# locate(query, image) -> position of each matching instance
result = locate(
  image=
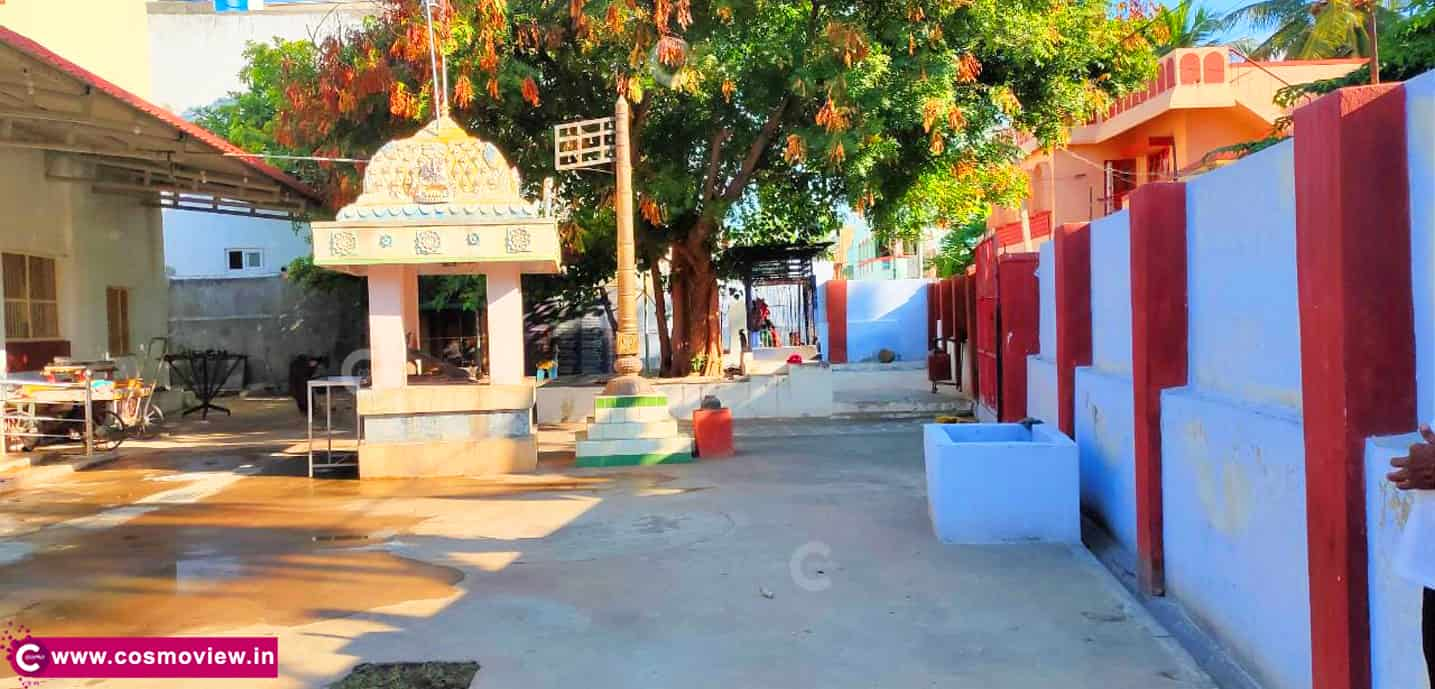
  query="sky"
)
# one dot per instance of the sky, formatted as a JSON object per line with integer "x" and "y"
{"x": 1224, "y": 6}
{"x": 1220, "y": 7}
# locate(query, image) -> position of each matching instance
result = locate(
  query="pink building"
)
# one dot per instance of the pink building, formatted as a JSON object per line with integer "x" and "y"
{"x": 1199, "y": 101}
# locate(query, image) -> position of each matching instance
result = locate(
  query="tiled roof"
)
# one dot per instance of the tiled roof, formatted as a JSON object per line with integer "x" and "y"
{"x": 49, "y": 57}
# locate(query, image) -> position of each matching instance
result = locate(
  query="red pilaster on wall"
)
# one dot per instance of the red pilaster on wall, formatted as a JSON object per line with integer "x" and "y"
{"x": 836, "y": 321}
{"x": 1158, "y": 353}
{"x": 972, "y": 384}
{"x": 1072, "y": 251}
{"x": 1018, "y": 294}
{"x": 956, "y": 305}
{"x": 934, "y": 307}
{"x": 1357, "y": 346}
{"x": 986, "y": 343}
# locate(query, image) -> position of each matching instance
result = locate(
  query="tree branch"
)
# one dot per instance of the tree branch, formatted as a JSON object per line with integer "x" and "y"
{"x": 714, "y": 159}
{"x": 755, "y": 151}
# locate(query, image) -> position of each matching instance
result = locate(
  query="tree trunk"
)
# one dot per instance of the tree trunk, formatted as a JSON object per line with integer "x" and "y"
{"x": 660, "y": 307}
{"x": 677, "y": 287}
{"x": 700, "y": 335}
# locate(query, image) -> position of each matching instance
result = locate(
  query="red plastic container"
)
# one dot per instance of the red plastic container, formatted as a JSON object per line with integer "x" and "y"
{"x": 712, "y": 433}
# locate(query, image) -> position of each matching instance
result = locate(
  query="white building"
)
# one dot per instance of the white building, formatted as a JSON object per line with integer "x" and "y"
{"x": 196, "y": 56}
{"x": 86, "y": 167}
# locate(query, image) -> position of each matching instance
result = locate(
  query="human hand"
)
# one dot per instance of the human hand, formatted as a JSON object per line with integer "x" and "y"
{"x": 1416, "y": 470}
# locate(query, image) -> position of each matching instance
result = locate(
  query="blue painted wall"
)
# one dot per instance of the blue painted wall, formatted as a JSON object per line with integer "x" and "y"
{"x": 887, "y": 313}
{"x": 1233, "y": 446}
{"x": 1244, "y": 314}
{"x": 1104, "y": 442}
{"x": 1046, "y": 311}
{"x": 1111, "y": 294}
{"x": 1104, "y": 417}
{"x": 1041, "y": 400}
{"x": 1233, "y": 487}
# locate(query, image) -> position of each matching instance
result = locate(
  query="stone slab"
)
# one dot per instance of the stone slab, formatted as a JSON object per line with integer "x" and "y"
{"x": 631, "y": 414}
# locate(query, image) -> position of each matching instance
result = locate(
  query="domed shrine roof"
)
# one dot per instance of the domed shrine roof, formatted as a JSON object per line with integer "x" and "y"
{"x": 441, "y": 171}
{"x": 445, "y": 201}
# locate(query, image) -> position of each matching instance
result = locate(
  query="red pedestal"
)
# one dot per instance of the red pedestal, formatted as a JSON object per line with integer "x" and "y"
{"x": 712, "y": 432}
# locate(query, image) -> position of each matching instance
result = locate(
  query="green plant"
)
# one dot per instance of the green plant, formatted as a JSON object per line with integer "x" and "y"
{"x": 1185, "y": 26}
{"x": 955, "y": 252}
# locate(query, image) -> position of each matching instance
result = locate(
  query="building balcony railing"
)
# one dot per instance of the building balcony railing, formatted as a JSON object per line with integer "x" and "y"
{"x": 1010, "y": 234}
{"x": 1203, "y": 78}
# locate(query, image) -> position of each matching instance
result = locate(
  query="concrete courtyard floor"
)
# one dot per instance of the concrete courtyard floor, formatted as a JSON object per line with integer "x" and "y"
{"x": 806, "y": 560}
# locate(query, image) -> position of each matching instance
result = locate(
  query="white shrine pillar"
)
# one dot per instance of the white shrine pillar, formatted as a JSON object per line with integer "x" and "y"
{"x": 411, "y": 306}
{"x": 505, "y": 324}
{"x": 388, "y": 353}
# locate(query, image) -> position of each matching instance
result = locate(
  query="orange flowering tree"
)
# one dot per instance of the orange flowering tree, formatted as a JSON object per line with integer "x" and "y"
{"x": 751, "y": 117}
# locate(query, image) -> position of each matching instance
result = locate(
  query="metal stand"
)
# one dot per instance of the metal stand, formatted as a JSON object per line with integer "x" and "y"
{"x": 208, "y": 371}
{"x": 329, "y": 458}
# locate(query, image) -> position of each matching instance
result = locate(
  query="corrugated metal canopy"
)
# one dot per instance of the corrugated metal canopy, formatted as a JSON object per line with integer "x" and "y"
{"x": 136, "y": 147}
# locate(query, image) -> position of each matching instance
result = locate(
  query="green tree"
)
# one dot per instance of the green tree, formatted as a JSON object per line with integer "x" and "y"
{"x": 745, "y": 111}
{"x": 1185, "y": 26}
{"x": 247, "y": 118}
{"x": 955, "y": 252}
{"x": 1407, "y": 49}
{"x": 1314, "y": 29}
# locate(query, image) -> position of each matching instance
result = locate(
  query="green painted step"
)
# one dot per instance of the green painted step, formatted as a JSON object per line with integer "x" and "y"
{"x": 626, "y": 401}
{"x": 635, "y": 460}
{"x": 634, "y": 451}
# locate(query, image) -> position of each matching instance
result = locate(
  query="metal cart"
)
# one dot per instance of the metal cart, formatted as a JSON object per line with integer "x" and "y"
{"x": 327, "y": 456}
{"x": 100, "y": 414}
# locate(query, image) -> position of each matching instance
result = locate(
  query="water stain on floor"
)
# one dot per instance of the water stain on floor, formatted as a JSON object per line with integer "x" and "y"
{"x": 233, "y": 559}
{"x": 78, "y": 495}
{"x": 271, "y": 549}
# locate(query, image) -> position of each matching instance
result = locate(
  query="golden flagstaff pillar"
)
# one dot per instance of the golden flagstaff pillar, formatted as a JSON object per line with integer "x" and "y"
{"x": 631, "y": 423}
{"x": 628, "y": 365}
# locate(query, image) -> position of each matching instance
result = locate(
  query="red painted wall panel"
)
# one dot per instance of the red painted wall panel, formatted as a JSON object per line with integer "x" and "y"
{"x": 1158, "y": 353}
{"x": 1019, "y": 294}
{"x": 986, "y": 344}
{"x": 959, "y": 306}
{"x": 837, "y": 321}
{"x": 934, "y": 308}
{"x": 1357, "y": 346}
{"x": 1071, "y": 250}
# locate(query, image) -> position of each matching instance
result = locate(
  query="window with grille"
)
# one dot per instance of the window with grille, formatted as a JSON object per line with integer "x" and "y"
{"x": 245, "y": 259}
{"x": 117, "y": 308}
{"x": 32, "y": 308}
